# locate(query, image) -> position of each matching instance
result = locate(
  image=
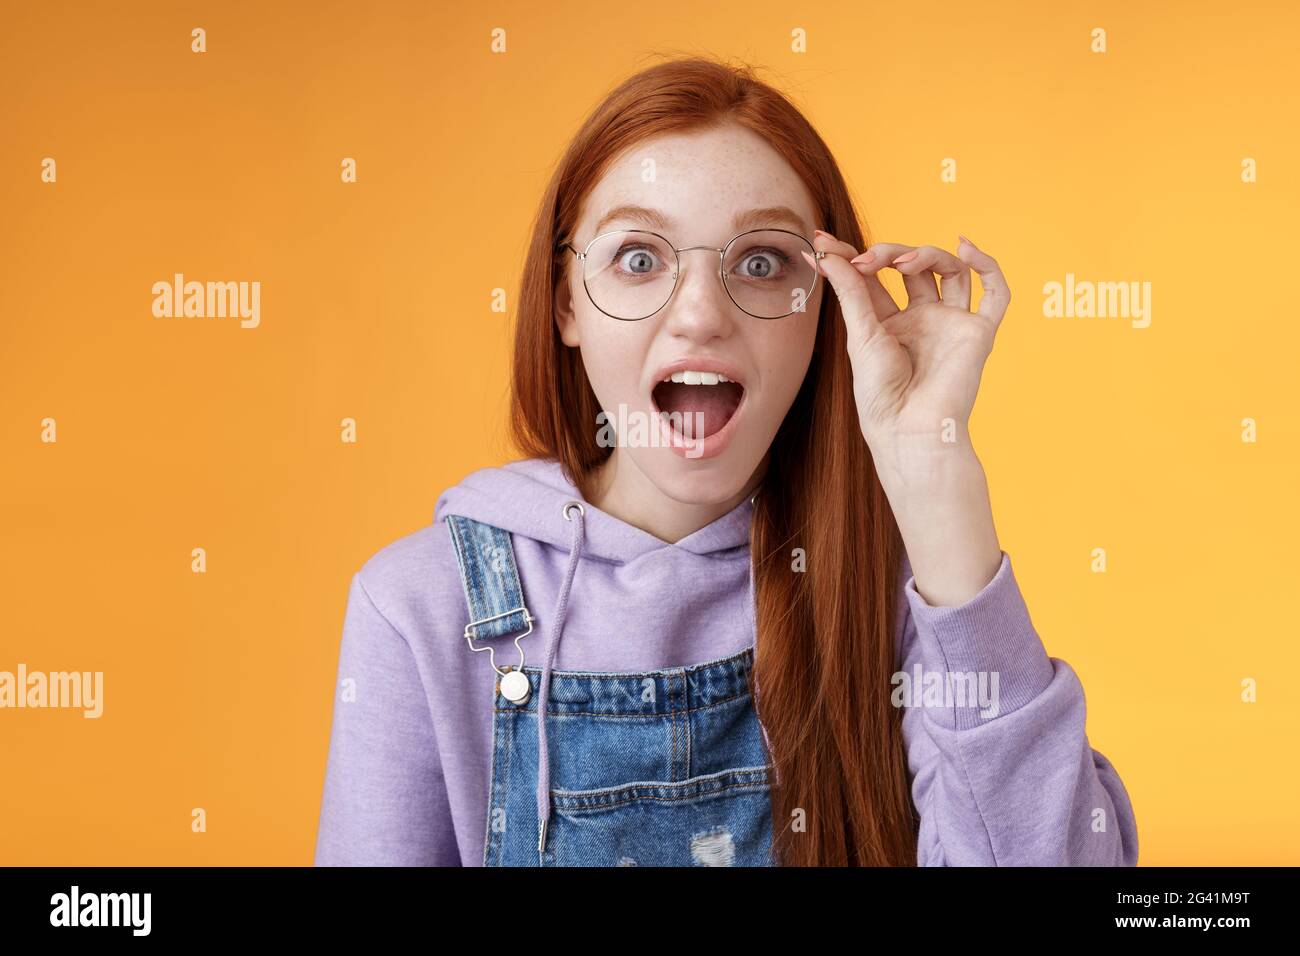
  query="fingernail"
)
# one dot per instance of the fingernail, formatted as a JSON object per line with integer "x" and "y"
{"x": 961, "y": 239}
{"x": 905, "y": 257}
{"x": 821, "y": 233}
{"x": 864, "y": 259}
{"x": 811, "y": 261}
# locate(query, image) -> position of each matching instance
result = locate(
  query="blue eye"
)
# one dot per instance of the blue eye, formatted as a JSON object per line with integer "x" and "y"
{"x": 635, "y": 260}
{"x": 769, "y": 263}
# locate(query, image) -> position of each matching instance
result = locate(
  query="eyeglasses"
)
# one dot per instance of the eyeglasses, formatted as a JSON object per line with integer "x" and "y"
{"x": 630, "y": 274}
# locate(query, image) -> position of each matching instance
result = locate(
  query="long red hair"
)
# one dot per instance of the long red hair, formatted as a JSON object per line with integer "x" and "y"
{"x": 825, "y": 649}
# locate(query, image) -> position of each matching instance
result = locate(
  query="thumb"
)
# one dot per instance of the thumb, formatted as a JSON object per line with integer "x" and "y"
{"x": 855, "y": 298}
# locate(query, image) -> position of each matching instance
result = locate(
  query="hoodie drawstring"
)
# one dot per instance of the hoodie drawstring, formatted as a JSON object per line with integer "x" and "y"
{"x": 553, "y": 642}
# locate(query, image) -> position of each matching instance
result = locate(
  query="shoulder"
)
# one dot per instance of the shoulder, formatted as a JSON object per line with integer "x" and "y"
{"x": 414, "y": 581}
{"x": 405, "y": 564}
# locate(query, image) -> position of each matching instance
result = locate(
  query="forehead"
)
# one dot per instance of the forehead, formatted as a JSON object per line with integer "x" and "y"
{"x": 700, "y": 185}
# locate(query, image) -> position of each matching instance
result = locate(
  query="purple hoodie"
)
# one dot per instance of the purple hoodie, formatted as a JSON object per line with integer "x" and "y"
{"x": 410, "y": 752}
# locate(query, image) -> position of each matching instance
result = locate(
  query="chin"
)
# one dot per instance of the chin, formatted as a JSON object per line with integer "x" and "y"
{"x": 700, "y": 481}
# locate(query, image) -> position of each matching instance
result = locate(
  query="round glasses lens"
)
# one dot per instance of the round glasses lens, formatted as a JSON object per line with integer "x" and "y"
{"x": 766, "y": 275}
{"x": 630, "y": 274}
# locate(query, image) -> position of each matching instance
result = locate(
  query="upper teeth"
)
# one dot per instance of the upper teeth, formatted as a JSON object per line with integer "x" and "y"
{"x": 692, "y": 377}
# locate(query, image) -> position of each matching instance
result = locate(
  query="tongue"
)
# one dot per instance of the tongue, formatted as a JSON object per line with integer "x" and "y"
{"x": 717, "y": 403}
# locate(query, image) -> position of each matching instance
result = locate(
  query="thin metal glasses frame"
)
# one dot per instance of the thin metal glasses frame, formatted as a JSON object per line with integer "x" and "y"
{"x": 677, "y": 271}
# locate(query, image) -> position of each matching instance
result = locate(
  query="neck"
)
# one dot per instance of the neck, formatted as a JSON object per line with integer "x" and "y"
{"x": 621, "y": 489}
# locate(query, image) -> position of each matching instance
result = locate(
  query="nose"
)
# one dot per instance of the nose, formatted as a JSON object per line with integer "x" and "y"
{"x": 700, "y": 308}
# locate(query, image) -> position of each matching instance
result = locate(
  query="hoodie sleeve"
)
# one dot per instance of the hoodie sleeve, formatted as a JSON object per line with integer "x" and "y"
{"x": 1015, "y": 784}
{"x": 384, "y": 801}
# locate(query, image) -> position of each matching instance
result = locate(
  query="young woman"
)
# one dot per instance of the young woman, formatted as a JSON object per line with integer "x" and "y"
{"x": 742, "y": 601}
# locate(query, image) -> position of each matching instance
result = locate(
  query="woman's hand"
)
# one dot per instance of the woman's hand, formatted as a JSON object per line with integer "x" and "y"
{"x": 916, "y": 371}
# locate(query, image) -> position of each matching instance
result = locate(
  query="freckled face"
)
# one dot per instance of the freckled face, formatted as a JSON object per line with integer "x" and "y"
{"x": 700, "y": 183}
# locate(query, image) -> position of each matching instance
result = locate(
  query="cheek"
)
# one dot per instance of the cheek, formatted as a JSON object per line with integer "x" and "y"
{"x": 785, "y": 353}
{"x": 613, "y": 355}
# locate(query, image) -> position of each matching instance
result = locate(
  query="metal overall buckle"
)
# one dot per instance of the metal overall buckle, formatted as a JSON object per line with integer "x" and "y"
{"x": 514, "y": 683}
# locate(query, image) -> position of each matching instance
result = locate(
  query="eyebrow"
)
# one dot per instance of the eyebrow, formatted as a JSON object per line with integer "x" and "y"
{"x": 749, "y": 219}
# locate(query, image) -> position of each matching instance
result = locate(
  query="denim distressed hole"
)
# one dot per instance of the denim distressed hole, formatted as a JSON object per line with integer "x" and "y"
{"x": 713, "y": 848}
{"x": 626, "y": 861}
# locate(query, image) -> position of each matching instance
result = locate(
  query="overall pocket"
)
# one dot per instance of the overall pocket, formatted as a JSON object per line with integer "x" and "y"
{"x": 688, "y": 788}
{"x": 717, "y": 819}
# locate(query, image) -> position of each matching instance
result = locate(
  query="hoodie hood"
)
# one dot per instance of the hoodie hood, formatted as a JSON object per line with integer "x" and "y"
{"x": 528, "y": 497}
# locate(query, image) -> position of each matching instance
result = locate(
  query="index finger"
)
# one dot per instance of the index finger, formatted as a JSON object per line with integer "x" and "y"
{"x": 953, "y": 273}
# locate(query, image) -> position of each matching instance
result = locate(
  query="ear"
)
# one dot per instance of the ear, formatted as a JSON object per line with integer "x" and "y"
{"x": 565, "y": 319}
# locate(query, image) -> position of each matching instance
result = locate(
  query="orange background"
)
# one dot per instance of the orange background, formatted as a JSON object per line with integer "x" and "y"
{"x": 178, "y": 433}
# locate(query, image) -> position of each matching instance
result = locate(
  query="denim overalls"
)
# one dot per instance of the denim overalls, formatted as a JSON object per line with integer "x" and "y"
{"x": 661, "y": 768}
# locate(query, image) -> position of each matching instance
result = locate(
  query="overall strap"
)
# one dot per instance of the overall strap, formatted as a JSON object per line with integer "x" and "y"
{"x": 491, "y": 580}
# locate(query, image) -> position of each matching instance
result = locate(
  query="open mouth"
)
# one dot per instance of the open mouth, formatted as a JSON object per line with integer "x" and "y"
{"x": 699, "y": 404}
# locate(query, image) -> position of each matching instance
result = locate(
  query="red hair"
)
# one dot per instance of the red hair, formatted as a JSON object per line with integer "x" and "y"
{"x": 825, "y": 649}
